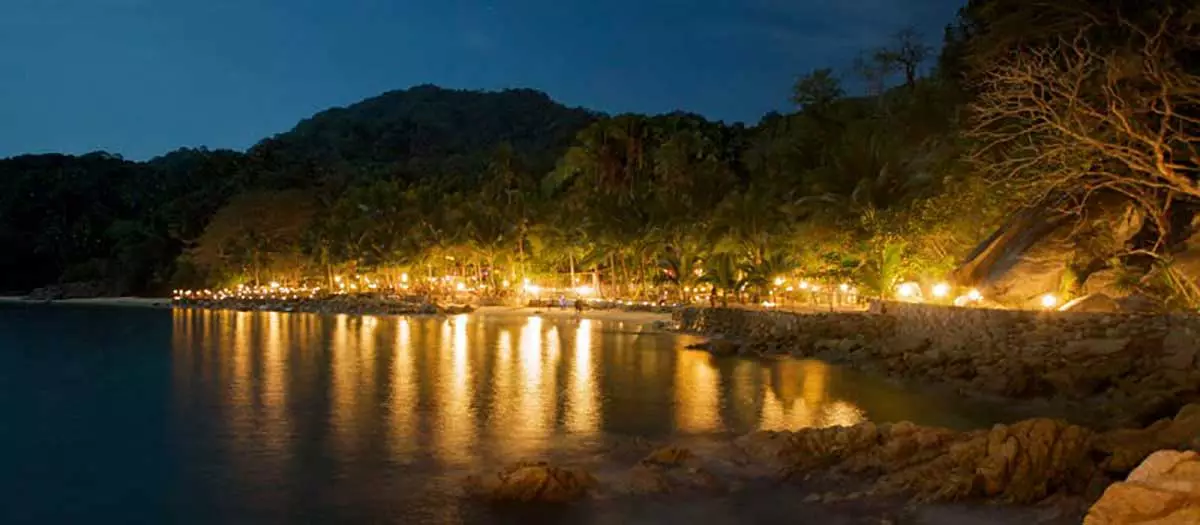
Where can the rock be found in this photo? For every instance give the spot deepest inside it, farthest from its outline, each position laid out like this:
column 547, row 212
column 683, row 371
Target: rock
column 1163, row 490
column 1021, row 463
column 723, row 347
column 1138, row 303
column 1127, row 448
column 1180, row 349
column 1099, row 303
column 1096, row 346
column 533, row 482
column 668, row 457
column 653, row 479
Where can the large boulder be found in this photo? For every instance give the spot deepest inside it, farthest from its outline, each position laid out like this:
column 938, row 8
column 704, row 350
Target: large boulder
column 1126, row 448
column 533, row 483
column 1163, row 490
column 1020, row 463
column 1030, row 254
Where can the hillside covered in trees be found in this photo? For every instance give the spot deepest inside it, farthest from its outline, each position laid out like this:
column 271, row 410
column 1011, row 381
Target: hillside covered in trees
column 1026, row 105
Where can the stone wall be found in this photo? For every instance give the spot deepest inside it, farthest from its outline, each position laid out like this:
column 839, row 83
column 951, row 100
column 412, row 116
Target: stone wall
column 1127, row 368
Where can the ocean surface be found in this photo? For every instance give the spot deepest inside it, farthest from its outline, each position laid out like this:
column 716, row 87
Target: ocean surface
column 126, row 415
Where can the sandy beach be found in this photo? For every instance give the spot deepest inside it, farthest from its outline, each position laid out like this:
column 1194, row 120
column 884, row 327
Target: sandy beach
column 139, row 302
column 569, row 313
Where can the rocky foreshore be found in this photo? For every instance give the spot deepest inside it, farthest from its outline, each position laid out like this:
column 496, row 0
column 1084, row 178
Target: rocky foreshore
column 334, row 304
column 1110, row 370
column 1037, row 471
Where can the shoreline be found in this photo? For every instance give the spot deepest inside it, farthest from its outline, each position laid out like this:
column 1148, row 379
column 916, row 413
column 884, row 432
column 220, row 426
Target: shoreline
column 136, row 302
column 485, row 311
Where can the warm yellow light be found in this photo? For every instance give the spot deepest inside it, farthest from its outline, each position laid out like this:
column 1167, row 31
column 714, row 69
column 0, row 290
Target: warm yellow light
column 974, row 295
column 779, row 281
column 941, row 290
column 844, row 287
column 404, row 277
column 505, row 283
column 460, row 287
column 790, row 288
column 803, row 285
column 532, row 288
column 768, row 304
column 1049, row 301
column 584, row 290
column 907, row 290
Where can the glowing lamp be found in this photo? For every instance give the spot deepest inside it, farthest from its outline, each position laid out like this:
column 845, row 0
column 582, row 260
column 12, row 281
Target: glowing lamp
column 803, row 285
column 460, row 287
column 1049, row 301
column 974, row 295
column 941, row 290
column 907, row 290
column 404, row 277
column 844, row 287
column 779, row 281
column 584, row 290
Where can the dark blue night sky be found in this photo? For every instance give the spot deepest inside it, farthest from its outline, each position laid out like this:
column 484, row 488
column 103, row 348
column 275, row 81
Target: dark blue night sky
column 142, row 77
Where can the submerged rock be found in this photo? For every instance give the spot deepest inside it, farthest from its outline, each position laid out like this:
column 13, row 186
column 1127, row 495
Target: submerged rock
column 533, row 483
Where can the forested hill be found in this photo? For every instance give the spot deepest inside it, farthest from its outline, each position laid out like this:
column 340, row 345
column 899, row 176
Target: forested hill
column 430, row 131
column 100, row 218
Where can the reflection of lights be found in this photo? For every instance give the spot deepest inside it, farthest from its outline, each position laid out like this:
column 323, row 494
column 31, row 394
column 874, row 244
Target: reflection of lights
column 768, row 304
column 697, row 393
column 941, row 290
column 1049, row 301
column 274, row 286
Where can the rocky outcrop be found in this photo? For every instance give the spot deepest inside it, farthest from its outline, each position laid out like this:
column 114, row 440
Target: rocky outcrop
column 533, row 483
column 1163, row 490
column 78, row 290
column 1120, row 369
column 1032, row 253
column 903, row 469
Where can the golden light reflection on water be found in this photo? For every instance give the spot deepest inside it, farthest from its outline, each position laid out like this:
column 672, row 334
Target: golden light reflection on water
column 463, row 388
column 403, row 402
column 697, row 394
column 582, row 407
column 783, row 410
column 344, row 362
column 454, row 432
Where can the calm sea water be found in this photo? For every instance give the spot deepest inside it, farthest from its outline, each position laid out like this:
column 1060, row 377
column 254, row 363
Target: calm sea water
column 117, row 415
